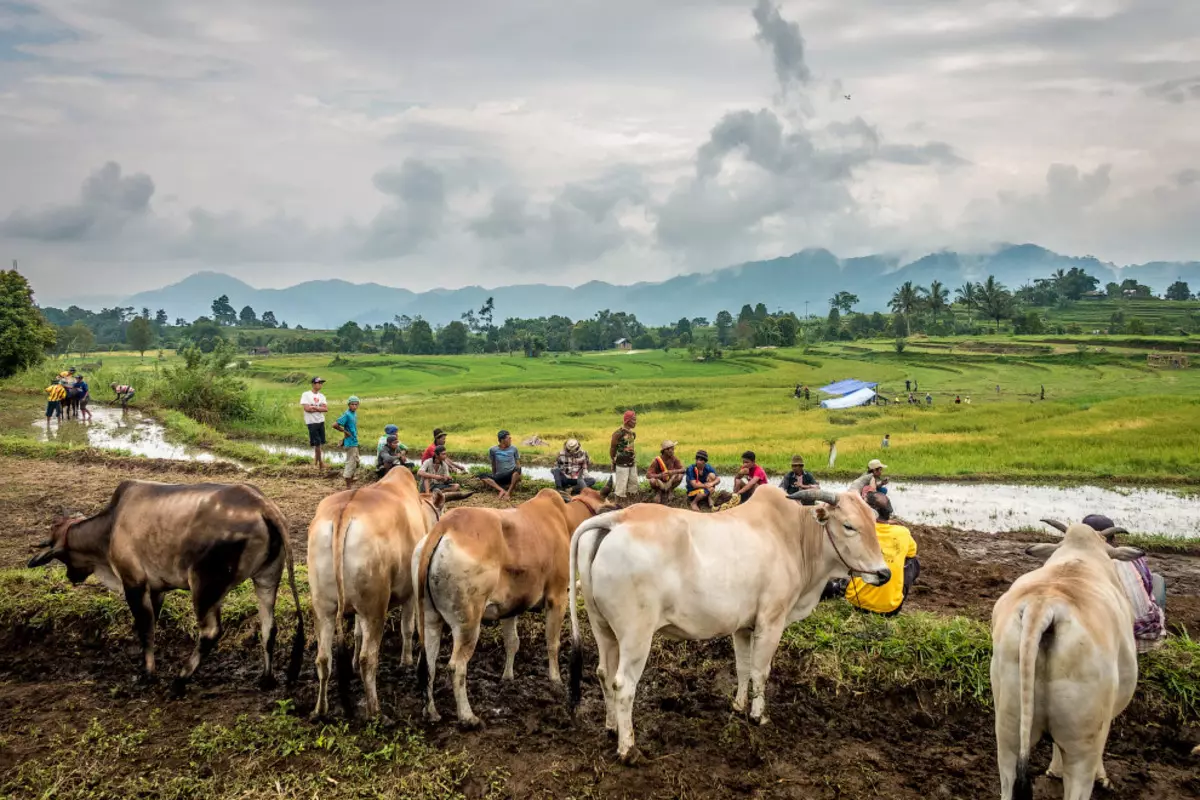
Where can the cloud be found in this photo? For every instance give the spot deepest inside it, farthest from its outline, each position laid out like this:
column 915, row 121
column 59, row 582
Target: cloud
column 786, row 43
column 1177, row 91
column 1187, row 177
column 1069, row 189
column 418, row 208
column 107, row 201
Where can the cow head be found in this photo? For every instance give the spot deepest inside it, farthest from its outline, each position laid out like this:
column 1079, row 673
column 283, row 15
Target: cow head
column 849, row 524
column 1084, row 537
column 79, row 566
column 595, row 501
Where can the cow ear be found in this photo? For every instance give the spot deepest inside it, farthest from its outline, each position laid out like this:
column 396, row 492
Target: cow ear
column 1125, row 553
column 1042, row 551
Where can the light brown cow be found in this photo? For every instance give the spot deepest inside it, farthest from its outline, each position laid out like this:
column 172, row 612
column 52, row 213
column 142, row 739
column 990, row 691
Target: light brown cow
column 483, row 563
column 360, row 547
column 203, row 537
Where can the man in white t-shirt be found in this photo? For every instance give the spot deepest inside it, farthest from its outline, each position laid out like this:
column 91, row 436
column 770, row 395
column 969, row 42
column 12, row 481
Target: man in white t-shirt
column 314, row 404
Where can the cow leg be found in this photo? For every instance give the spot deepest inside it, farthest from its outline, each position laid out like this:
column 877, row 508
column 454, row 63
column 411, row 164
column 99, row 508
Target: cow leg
column 634, row 651
column 207, row 591
column 355, row 662
column 742, row 657
column 555, row 610
column 765, row 642
column 465, row 638
column 1056, row 767
column 606, row 667
column 408, row 624
column 372, row 637
column 144, row 606
column 512, row 643
column 433, row 643
column 265, row 590
column 323, row 622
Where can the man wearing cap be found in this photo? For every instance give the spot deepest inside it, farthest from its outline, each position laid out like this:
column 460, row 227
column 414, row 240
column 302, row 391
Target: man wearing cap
column 701, row 481
column 570, row 469
column 314, row 404
column 434, row 472
column 623, row 458
column 665, row 473
column 1146, row 592
column 749, row 477
column 347, row 425
column 799, row 478
column 506, row 466
column 870, row 481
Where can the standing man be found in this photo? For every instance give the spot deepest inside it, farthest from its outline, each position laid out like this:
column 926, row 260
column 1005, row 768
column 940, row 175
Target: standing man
column 55, row 394
column 749, row 477
column 702, row 481
column 907, row 385
column 570, row 469
column 870, row 481
column 84, row 397
column 505, row 460
column 799, row 478
column 314, row 404
column 622, row 457
column 347, row 425
column 887, row 441
column 665, row 473
column 1043, row 391
column 928, row 399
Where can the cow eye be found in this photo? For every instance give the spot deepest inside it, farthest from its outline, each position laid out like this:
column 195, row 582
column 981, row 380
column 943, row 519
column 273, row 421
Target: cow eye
column 850, row 528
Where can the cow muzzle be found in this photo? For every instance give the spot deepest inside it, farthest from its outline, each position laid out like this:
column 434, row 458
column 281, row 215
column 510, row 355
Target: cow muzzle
column 877, row 578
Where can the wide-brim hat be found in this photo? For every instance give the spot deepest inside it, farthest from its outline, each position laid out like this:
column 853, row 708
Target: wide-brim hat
column 875, row 463
column 667, row 445
column 572, row 446
column 797, row 461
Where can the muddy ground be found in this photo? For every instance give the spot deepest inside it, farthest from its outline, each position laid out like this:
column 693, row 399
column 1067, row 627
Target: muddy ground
column 897, row 743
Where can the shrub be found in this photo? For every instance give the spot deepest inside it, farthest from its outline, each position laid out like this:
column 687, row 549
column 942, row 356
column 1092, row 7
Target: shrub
column 202, row 387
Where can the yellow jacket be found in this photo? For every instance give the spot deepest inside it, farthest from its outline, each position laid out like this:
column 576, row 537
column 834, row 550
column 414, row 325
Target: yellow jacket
column 897, row 545
column 56, row 392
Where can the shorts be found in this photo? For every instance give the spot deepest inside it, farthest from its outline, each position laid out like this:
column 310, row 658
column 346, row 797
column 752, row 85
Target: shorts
column 440, row 486
column 53, row 408
column 504, row 479
column 625, row 481
column 316, row 434
column 83, row 401
column 351, row 463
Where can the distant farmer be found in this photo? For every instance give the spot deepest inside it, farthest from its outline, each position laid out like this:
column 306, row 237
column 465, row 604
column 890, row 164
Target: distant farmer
column 1147, row 593
column 389, row 456
column 887, row 441
column 55, row 394
column 806, row 394
column 749, row 477
column 957, row 399
column 1043, row 391
column 665, row 473
column 505, row 460
column 928, row 399
column 899, row 553
column 571, row 467
column 347, row 425
column 968, row 400
column 314, row 405
column 123, row 393
column 701, row 481
column 870, row 481
column 907, row 385
column 434, row 473
column 621, row 455
column 997, row 388
column 84, row 397
column 799, row 478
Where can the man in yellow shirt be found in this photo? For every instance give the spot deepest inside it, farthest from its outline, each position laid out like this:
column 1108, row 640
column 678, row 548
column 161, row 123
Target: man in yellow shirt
column 899, row 553
column 55, row 393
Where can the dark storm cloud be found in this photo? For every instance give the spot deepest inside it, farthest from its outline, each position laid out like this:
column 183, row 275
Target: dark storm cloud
column 922, row 155
column 418, row 193
column 1187, row 177
column 107, row 200
column 786, row 43
column 1180, row 90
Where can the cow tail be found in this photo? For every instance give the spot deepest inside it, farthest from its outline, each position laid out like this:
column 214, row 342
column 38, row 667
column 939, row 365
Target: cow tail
column 1037, row 619
column 422, row 589
column 343, row 660
column 575, row 679
column 279, row 528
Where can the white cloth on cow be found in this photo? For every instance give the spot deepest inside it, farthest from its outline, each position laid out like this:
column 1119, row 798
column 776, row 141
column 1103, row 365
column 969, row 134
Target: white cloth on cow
column 625, row 481
column 1149, row 620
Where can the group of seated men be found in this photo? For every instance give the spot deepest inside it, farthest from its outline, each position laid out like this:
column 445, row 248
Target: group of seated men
column 436, row 470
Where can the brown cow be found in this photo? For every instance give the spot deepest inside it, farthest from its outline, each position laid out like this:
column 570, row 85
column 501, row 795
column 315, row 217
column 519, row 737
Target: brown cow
column 360, row 547
column 484, row 563
column 203, row 537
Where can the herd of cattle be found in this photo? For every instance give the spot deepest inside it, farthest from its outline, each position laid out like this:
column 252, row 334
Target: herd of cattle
column 1064, row 659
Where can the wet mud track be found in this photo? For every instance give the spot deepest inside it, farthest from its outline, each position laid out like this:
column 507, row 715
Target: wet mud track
column 821, row 742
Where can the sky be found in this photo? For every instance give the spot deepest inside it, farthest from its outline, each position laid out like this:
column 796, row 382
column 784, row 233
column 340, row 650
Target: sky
column 432, row 145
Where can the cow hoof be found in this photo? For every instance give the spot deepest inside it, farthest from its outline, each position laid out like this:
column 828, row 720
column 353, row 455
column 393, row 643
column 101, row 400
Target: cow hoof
column 432, row 715
column 556, row 680
column 761, row 721
column 631, row 757
column 471, row 724
column 739, row 707
column 508, row 676
column 1104, row 783
column 1052, row 774
column 178, row 688
column 267, row 683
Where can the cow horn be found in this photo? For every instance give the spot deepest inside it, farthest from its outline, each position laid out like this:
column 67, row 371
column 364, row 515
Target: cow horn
column 607, row 490
column 810, row 496
column 1053, row 523
column 1110, row 533
column 460, row 495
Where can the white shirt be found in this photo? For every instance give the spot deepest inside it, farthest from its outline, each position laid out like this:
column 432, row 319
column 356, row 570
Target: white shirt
column 313, row 399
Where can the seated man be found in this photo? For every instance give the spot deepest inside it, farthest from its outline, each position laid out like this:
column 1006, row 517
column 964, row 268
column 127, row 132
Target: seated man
column 870, row 481
column 570, row 470
column 390, row 430
column 749, row 477
column 1147, row 593
column 506, row 466
column 665, row 473
column 390, row 456
column 701, row 481
column 899, row 553
column 434, row 473
column 798, row 478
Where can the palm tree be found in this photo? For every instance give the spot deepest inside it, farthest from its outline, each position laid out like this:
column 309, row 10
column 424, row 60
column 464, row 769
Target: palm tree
column 968, row 295
column 906, row 300
column 995, row 300
column 936, row 298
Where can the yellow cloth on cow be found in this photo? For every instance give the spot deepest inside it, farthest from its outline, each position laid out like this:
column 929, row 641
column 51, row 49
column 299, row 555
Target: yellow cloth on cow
column 897, row 544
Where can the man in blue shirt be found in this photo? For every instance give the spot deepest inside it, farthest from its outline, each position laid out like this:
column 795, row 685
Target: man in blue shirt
column 84, row 397
column 347, row 424
column 700, row 480
column 506, row 466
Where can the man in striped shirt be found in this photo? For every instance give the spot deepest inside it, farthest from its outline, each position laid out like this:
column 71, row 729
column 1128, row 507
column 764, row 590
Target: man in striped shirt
column 55, row 393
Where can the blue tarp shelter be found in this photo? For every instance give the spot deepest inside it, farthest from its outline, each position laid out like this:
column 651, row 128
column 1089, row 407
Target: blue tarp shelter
column 858, row 398
column 847, row 386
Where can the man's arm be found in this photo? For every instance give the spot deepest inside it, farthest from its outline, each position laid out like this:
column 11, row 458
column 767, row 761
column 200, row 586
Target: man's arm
column 612, row 447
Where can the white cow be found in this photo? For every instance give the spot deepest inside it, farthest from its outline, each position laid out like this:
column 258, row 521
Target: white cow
column 1064, row 662
column 747, row 572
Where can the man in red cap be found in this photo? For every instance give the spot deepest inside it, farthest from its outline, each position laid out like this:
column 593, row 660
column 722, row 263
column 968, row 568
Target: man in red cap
column 624, row 460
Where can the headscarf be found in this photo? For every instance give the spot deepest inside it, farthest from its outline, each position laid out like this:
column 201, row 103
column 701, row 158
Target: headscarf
column 628, row 417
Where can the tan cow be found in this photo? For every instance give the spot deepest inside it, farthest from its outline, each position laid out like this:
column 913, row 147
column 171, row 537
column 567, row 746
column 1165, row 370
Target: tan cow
column 484, row 563
column 1064, row 662
column 360, row 546
column 747, row 572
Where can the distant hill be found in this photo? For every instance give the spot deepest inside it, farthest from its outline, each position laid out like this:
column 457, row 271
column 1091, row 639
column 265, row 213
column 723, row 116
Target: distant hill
column 781, row 283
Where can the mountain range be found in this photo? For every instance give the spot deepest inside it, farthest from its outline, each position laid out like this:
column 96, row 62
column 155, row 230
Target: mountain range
column 787, row 283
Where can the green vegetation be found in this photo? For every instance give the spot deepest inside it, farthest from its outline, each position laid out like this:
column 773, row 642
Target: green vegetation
column 24, row 334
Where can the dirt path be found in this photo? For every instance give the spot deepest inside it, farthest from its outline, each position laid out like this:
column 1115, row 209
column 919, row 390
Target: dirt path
column 822, row 743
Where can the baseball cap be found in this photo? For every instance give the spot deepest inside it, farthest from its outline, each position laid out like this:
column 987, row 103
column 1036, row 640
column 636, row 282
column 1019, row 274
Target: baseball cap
column 391, row 430
column 318, row 379
column 875, row 463
column 667, row 444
